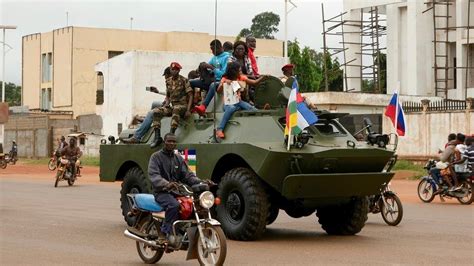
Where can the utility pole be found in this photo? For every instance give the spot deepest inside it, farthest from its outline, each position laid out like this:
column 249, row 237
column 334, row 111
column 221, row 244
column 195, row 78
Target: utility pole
column 131, row 23
column 4, row 28
column 285, row 45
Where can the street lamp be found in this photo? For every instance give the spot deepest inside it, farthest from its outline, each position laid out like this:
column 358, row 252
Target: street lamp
column 285, row 45
column 4, row 28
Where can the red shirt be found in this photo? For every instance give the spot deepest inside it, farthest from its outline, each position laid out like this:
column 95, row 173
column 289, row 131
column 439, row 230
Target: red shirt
column 253, row 61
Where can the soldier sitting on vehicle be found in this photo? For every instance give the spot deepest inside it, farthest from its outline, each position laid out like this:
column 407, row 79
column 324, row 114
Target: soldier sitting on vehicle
column 166, row 168
column 146, row 123
column 72, row 154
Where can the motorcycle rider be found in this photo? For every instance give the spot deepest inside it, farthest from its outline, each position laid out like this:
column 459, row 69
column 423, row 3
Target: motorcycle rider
column 166, row 170
column 14, row 151
column 72, row 153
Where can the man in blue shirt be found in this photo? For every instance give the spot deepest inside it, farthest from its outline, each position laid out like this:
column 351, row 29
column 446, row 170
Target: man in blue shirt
column 218, row 66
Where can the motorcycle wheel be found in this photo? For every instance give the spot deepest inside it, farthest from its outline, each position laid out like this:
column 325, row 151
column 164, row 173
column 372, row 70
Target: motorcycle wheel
column 215, row 249
column 148, row 254
column 3, row 164
column 469, row 198
column 58, row 177
column 391, row 209
column 426, row 191
column 52, row 165
column 70, row 182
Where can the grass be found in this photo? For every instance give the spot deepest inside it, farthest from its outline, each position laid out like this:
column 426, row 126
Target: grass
column 418, row 169
column 85, row 161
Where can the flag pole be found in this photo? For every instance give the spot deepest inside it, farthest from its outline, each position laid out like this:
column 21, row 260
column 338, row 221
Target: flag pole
column 289, row 137
column 396, row 107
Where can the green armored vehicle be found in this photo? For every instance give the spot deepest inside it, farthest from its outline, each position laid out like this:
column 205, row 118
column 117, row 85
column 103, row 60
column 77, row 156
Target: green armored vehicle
column 327, row 171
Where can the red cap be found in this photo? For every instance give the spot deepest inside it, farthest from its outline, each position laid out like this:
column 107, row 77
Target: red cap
column 287, row 66
column 175, row 65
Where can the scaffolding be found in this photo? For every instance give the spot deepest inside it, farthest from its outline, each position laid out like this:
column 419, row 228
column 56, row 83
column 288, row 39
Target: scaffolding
column 370, row 31
column 441, row 24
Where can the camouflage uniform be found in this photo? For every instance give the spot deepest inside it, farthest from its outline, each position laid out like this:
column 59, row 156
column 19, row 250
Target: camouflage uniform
column 177, row 91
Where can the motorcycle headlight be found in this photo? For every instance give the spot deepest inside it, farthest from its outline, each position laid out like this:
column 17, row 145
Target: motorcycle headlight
column 206, row 199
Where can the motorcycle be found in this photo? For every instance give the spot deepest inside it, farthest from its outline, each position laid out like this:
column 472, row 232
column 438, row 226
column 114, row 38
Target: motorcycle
column 54, row 161
column 3, row 162
column 64, row 172
column 430, row 186
column 195, row 231
column 388, row 204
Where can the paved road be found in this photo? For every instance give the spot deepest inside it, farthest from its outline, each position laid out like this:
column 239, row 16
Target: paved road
column 43, row 225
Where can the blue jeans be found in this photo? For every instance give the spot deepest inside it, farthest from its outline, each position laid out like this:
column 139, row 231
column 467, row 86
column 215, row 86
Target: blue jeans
column 144, row 126
column 229, row 110
column 436, row 174
column 211, row 90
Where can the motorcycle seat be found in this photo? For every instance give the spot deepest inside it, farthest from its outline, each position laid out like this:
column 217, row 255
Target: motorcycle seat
column 147, row 202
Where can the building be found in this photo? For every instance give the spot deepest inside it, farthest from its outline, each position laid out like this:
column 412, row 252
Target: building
column 58, row 66
column 429, row 48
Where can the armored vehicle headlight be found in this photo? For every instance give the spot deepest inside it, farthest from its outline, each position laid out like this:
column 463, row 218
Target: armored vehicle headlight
column 206, row 199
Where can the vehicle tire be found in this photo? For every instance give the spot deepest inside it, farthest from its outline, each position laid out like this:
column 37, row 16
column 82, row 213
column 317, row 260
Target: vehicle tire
column 134, row 181
column 216, row 246
column 469, row 198
column 149, row 255
column 392, row 216
column 272, row 214
column 345, row 219
column 426, row 191
column 244, row 205
column 3, row 164
column 58, row 177
column 70, row 182
column 52, row 164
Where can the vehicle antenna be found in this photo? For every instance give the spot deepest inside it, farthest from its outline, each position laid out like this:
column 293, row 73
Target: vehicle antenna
column 214, row 131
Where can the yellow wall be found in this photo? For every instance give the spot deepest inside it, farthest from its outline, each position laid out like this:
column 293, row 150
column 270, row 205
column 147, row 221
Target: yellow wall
column 76, row 50
column 31, row 70
column 62, row 68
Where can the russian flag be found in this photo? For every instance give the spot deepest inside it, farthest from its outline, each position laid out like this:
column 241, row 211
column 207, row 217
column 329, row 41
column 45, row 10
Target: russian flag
column 394, row 109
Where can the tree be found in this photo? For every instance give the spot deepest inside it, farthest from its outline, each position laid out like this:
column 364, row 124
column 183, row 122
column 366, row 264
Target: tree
column 310, row 69
column 264, row 25
column 369, row 85
column 12, row 94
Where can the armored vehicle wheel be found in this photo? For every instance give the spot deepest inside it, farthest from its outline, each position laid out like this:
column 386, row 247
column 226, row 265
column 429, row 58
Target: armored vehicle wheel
column 244, row 209
column 272, row 214
column 346, row 219
column 133, row 182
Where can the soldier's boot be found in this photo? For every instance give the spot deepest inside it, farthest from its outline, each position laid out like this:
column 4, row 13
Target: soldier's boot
column 158, row 139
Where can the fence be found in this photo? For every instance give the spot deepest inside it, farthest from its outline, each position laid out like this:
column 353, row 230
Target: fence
column 442, row 105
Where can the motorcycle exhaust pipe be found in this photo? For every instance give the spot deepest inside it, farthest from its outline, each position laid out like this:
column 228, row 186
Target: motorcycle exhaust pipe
column 139, row 239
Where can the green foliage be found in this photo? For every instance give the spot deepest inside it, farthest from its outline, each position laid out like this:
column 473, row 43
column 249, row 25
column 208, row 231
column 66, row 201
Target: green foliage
column 417, row 169
column 12, row 94
column 264, row 25
column 85, row 161
column 310, row 69
column 369, row 85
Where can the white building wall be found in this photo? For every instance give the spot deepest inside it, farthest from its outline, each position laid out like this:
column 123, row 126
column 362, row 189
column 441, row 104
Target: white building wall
column 126, row 76
column 410, row 51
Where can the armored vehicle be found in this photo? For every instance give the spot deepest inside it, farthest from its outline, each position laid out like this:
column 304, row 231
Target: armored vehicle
column 326, row 171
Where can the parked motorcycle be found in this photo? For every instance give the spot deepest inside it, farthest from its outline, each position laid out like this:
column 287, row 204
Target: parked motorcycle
column 3, row 162
column 388, row 204
column 196, row 231
column 64, row 172
column 429, row 186
column 9, row 158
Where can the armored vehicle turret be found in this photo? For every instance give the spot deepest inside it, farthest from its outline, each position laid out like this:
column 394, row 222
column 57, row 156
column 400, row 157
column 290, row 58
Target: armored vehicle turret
column 326, row 171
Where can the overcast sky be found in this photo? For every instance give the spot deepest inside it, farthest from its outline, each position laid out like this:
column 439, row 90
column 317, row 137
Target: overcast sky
column 304, row 22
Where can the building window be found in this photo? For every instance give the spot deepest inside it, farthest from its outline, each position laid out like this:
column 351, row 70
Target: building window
column 47, row 67
column 100, row 89
column 45, row 99
column 470, row 76
column 82, row 141
column 114, row 53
